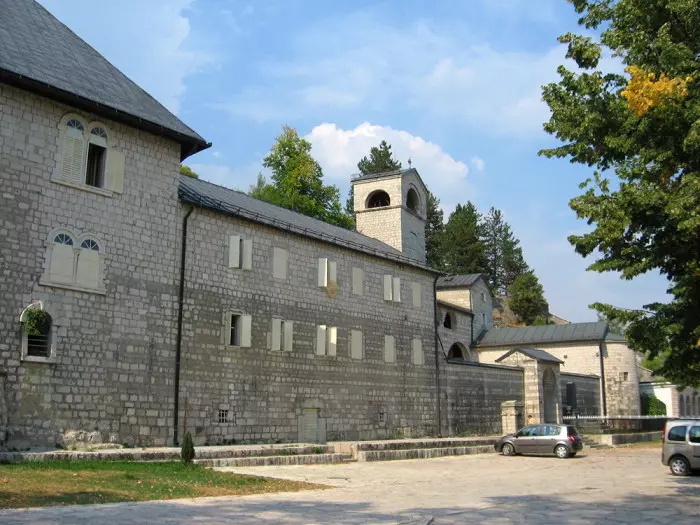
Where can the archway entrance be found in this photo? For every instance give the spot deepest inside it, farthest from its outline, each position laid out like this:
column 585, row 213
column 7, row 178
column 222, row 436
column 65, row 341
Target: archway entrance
column 458, row 352
column 549, row 394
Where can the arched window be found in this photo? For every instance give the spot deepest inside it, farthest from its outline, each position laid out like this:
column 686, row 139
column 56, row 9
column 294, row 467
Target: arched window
column 412, row 200
column 61, row 256
column 73, row 151
column 447, row 323
column 378, row 199
column 88, row 274
column 456, row 353
column 73, row 262
column 38, row 334
column 96, row 157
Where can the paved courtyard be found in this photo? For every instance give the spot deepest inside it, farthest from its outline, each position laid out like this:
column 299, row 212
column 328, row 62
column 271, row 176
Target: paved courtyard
column 601, row 486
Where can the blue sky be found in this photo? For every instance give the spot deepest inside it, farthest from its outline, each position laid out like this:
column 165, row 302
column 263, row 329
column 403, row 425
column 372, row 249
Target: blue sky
column 455, row 85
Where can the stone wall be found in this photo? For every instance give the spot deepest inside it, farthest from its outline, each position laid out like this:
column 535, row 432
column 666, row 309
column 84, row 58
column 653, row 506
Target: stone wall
column 460, row 332
column 482, row 308
column 456, row 296
column 587, row 394
column 114, row 352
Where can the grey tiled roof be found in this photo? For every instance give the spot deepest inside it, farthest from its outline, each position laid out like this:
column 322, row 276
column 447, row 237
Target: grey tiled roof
column 534, row 353
column 596, row 331
column 454, row 281
column 224, row 200
column 392, row 173
column 39, row 53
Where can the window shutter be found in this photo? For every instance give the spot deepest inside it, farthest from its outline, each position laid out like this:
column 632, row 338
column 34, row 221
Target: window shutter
column 279, row 263
column 234, row 251
column 323, row 272
column 397, row 290
column 62, row 260
column 417, row 299
column 72, row 157
column 321, row 340
column 389, row 355
column 88, row 268
column 356, row 344
column 247, row 260
column 358, row 281
column 288, row 336
column 387, row 288
column 417, row 352
column 332, row 340
column 246, row 328
column 115, row 171
column 276, row 334
column 332, row 274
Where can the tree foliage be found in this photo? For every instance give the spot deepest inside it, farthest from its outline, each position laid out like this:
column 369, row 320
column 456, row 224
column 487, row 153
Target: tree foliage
column 187, row 451
column 380, row 160
column 186, row 170
column 434, row 228
column 526, row 299
column 504, row 256
column 463, row 249
column 297, row 181
column 641, row 133
column 652, row 405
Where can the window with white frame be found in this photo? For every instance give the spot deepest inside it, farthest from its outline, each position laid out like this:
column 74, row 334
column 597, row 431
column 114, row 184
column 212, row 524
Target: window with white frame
column 86, row 159
column 356, row 344
column 392, row 288
column 279, row 263
column 240, row 252
column 417, row 294
column 39, row 334
column 358, row 281
column 282, row 335
column 73, row 261
column 389, row 349
column 417, row 351
column 327, row 273
column 326, row 340
column 236, row 329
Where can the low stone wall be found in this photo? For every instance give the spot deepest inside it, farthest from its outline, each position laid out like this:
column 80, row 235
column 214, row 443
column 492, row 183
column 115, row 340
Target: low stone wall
column 616, row 440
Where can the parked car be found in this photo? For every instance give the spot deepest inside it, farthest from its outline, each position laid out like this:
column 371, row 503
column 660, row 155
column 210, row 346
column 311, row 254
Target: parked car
column 561, row 440
column 680, row 446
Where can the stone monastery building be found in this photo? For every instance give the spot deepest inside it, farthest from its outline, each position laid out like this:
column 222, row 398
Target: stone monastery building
column 135, row 301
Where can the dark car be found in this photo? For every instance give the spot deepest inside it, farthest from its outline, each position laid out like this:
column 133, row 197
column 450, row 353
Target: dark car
column 561, row 440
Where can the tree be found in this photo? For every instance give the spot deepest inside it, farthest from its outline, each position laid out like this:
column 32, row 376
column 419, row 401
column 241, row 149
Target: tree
column 187, row 451
column 186, row 170
column 434, row 228
column 504, row 256
column 380, row 160
column 641, row 133
column 297, row 181
column 526, row 299
column 462, row 247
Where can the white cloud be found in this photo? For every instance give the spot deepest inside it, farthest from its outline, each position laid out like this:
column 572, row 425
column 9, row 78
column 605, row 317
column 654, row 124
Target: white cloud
column 338, row 150
column 146, row 40
column 478, row 163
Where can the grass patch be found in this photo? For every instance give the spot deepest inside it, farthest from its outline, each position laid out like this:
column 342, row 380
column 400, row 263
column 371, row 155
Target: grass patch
column 48, row 483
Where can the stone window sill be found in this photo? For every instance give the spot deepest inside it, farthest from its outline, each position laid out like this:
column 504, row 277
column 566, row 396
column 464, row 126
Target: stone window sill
column 38, row 359
column 74, row 287
column 84, row 187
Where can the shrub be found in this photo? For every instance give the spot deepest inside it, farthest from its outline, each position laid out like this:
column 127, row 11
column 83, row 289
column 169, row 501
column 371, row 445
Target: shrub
column 187, row 452
column 652, row 405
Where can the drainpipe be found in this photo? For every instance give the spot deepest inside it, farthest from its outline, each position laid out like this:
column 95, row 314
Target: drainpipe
column 178, row 341
column 437, row 359
column 602, row 380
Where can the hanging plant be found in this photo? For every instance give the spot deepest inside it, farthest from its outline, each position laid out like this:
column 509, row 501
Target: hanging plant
column 37, row 322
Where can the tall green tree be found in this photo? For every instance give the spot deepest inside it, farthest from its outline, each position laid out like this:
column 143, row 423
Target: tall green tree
column 434, row 229
column 380, row 160
column 504, row 256
column 297, row 181
column 526, row 299
column 641, row 134
column 463, row 249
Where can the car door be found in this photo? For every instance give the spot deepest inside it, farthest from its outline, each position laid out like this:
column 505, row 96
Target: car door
column 694, row 442
column 545, row 439
column 525, row 440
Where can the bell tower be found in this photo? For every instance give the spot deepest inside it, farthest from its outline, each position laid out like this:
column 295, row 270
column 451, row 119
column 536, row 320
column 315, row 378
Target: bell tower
column 391, row 207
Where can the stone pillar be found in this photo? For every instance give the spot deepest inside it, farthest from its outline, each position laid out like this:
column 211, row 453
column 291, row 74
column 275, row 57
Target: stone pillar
column 511, row 416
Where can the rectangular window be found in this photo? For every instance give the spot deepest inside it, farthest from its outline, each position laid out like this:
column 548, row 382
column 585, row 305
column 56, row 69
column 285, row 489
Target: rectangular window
column 326, row 340
column 417, row 348
column 279, row 263
column 358, row 281
column 95, row 169
column 282, row 336
column 240, row 252
column 237, row 330
column 483, row 319
column 356, row 348
column 326, row 272
column 223, row 416
column 483, row 297
column 417, row 295
column 694, row 435
column 389, row 349
column 392, row 289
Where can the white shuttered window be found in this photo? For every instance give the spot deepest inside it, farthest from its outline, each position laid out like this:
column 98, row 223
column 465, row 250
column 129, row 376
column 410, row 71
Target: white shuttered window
column 358, row 281
column 240, row 252
column 417, row 295
column 392, row 288
column 389, row 349
column 417, row 350
column 356, row 347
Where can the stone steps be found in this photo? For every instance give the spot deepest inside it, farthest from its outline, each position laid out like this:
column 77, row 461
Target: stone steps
column 260, row 461
column 422, row 453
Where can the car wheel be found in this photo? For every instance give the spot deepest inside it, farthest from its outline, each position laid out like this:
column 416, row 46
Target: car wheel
column 679, row 466
column 561, row 451
column 508, row 450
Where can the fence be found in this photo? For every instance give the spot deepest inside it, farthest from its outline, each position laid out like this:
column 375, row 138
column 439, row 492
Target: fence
column 617, row 424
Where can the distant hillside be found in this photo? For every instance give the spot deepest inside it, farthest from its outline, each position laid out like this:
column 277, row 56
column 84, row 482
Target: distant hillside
column 504, row 316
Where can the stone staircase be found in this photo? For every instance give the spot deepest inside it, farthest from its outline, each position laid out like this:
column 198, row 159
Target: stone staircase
column 258, row 457
column 418, row 448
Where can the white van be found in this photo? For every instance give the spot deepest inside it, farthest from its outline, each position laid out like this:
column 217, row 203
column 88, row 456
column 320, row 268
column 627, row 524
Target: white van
column 680, row 446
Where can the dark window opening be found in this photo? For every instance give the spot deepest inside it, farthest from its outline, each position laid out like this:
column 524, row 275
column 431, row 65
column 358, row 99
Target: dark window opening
column 234, row 335
column 455, row 353
column 223, row 416
column 95, row 171
column 571, row 395
column 412, row 200
column 38, row 330
column 447, row 323
column 378, row 199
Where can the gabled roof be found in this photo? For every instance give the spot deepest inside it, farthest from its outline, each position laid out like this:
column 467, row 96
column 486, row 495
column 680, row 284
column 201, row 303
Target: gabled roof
column 458, row 281
column 565, row 333
column 534, row 353
column 230, row 202
column 40, row 54
column 455, row 307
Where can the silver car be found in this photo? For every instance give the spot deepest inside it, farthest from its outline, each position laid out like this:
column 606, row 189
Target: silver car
column 680, row 446
column 560, row 440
